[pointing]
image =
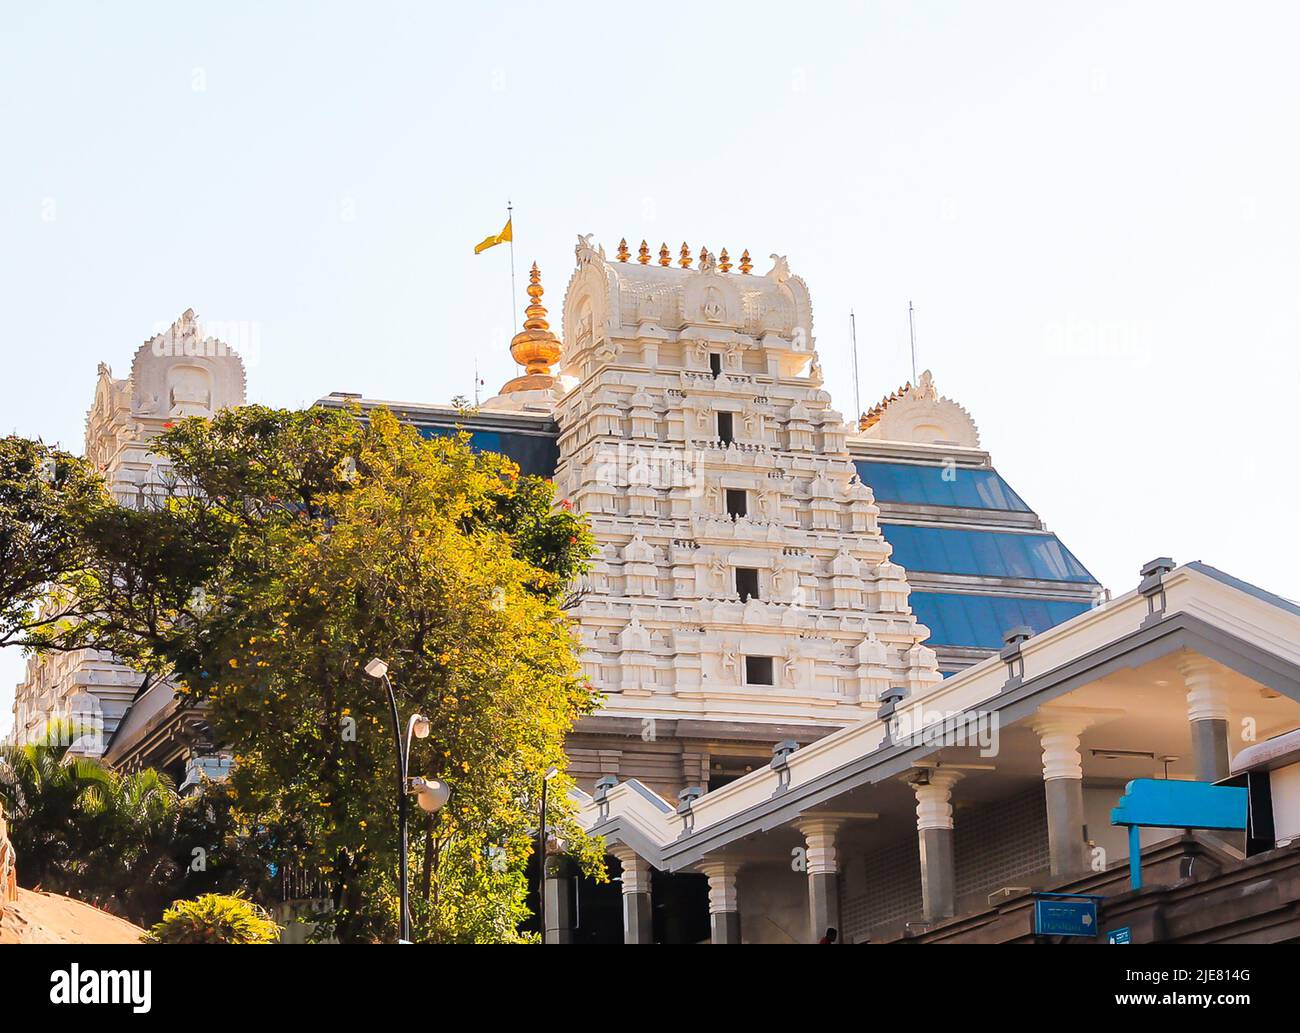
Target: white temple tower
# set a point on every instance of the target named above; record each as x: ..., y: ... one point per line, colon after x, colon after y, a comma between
x: 741, y: 581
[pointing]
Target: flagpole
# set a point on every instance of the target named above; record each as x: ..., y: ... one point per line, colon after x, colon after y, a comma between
x: 510, y: 221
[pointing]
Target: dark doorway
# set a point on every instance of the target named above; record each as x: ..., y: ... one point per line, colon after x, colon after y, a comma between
x: 737, y: 502
x: 715, y: 364
x: 758, y: 670
x: 726, y: 428
x: 681, y: 907
x: 599, y: 907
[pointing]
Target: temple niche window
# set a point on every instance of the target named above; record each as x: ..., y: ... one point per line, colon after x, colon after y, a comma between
x: 726, y: 428
x: 189, y: 391
x: 715, y: 364
x: 746, y: 583
x: 758, y: 670
x: 737, y: 503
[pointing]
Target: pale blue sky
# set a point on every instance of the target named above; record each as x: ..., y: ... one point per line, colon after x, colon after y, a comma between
x: 1093, y: 206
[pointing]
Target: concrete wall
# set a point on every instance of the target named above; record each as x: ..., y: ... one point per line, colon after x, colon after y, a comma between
x: 773, y: 904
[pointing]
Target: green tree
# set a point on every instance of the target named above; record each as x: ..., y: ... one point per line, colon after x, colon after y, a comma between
x: 57, y: 808
x: 297, y: 546
x: 47, y: 498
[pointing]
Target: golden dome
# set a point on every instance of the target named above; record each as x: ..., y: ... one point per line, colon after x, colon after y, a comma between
x: 534, y: 347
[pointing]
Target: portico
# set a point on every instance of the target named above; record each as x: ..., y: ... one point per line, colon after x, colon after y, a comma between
x: 1015, y: 795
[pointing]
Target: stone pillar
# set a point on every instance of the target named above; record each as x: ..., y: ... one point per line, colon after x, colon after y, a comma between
x: 558, y: 887
x: 724, y: 910
x: 823, y: 874
x: 1063, y: 788
x: 934, y: 839
x: 637, y: 915
x: 1207, y: 712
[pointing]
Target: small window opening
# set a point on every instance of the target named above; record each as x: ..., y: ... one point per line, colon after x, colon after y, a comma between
x: 746, y: 583
x: 758, y: 670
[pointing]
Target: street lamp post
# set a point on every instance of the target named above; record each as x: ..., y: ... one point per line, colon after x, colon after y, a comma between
x: 430, y: 793
x: 541, y: 853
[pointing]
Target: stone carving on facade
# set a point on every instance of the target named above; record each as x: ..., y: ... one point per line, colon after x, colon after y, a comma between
x: 586, y: 253
x: 712, y: 309
x: 730, y: 661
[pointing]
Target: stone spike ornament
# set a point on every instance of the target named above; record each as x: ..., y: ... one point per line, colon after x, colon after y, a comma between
x: 685, y: 260
x: 745, y: 264
x: 534, y: 347
x: 665, y: 257
x: 724, y: 261
x: 643, y: 253
x: 623, y: 253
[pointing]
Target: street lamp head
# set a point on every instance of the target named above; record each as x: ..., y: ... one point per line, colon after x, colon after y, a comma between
x: 376, y: 668
x: 430, y: 793
x: 420, y: 726
x: 551, y: 772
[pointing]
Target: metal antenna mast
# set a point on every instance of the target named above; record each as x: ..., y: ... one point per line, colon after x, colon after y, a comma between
x: 911, y: 331
x: 857, y: 400
x: 510, y: 221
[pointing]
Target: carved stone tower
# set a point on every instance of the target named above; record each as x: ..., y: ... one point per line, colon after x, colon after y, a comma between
x: 741, y: 575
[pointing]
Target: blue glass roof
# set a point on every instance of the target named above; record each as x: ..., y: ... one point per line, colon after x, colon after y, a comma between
x: 980, y: 621
x: 947, y: 550
x: 939, y: 486
x: 535, y: 455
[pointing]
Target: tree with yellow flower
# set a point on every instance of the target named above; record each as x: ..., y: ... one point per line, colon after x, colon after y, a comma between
x: 321, y: 539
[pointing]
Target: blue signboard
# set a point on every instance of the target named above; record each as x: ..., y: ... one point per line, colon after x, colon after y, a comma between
x: 1168, y: 804
x: 1121, y: 935
x: 1171, y: 804
x: 1063, y: 914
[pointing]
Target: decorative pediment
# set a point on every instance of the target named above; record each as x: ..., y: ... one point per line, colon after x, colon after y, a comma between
x: 918, y: 413
x: 185, y: 372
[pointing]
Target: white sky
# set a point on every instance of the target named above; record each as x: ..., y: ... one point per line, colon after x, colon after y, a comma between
x: 1093, y: 207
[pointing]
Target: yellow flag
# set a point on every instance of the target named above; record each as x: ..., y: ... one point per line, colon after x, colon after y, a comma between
x: 493, y: 241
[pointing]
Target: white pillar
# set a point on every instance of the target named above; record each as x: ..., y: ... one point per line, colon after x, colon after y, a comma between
x: 1058, y: 732
x: 934, y: 839
x: 637, y: 914
x: 823, y: 873
x: 724, y: 908
x: 1207, y: 713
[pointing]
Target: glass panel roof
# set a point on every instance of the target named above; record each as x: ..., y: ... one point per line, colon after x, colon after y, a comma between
x: 939, y: 486
x: 535, y: 455
x: 980, y: 621
x: 946, y: 550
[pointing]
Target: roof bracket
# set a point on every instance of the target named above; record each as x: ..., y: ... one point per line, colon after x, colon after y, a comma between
x: 1152, y: 586
x: 1010, y: 655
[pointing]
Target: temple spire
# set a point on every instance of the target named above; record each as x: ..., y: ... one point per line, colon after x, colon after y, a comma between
x: 534, y: 347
